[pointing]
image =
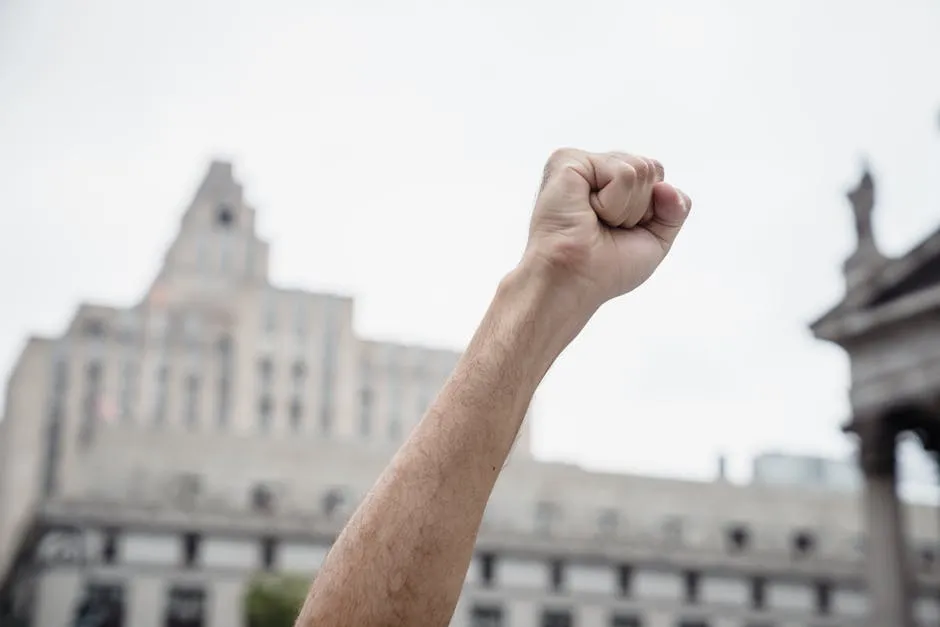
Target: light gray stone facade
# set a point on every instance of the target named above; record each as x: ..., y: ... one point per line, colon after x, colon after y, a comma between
x: 224, y: 427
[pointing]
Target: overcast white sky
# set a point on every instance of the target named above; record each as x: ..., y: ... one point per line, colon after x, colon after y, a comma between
x: 393, y: 150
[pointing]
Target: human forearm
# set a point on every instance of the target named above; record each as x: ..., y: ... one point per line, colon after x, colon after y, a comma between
x: 601, y: 224
x: 402, y: 558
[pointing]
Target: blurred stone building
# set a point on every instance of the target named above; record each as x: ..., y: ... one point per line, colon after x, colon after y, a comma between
x: 154, y: 458
x: 888, y: 324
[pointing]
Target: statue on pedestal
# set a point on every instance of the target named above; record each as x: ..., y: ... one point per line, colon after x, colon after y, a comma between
x: 863, y: 204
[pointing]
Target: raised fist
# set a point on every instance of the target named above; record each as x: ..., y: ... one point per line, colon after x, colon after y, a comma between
x: 603, y: 222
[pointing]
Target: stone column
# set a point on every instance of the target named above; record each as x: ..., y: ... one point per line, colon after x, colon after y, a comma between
x: 889, y: 586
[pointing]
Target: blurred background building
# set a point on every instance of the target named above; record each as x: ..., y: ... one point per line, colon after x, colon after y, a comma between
x: 806, y: 472
x: 153, y: 459
x: 918, y: 476
x: 888, y: 325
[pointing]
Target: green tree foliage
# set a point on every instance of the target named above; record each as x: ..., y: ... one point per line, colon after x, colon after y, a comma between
x: 274, y: 600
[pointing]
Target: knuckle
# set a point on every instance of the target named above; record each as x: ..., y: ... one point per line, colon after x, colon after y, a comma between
x: 560, y: 156
x: 556, y: 161
x: 563, y: 164
x: 627, y: 173
x: 658, y: 170
x: 642, y: 168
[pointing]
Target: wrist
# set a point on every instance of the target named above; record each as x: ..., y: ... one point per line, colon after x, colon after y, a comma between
x: 547, y: 310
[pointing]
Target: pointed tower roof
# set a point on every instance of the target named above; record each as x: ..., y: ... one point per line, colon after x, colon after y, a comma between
x: 216, y: 244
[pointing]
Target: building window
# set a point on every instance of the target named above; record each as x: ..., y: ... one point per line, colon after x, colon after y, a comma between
x: 60, y: 380
x: 192, y: 400
x: 486, y: 616
x: 262, y: 499
x: 326, y: 403
x: 54, y: 427
x: 691, y: 587
x: 927, y: 558
x: 188, y: 489
x: 225, y: 368
x: 693, y: 622
x: 625, y: 620
x: 739, y: 538
x: 269, y: 312
x: 268, y: 553
x: 547, y: 515
x: 300, y: 318
x: 299, y: 373
x: 296, y: 415
x: 365, y: 412
x: 607, y: 523
x: 331, y: 332
x: 557, y: 618
x: 109, y: 546
x: 823, y: 598
x: 53, y: 451
x: 624, y: 578
x: 224, y: 216
x: 333, y: 502
x: 128, y: 391
x: 94, y: 328
x: 326, y: 413
x: 266, y: 372
x: 91, y: 404
x: 102, y: 606
x: 558, y: 576
x: 673, y: 531
x: 487, y: 569
x: 758, y: 593
x: 804, y: 544
x: 186, y: 607
x: 191, y: 544
x: 265, y: 413
x: 160, y: 395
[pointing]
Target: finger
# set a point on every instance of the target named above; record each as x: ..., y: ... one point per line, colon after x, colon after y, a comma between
x: 649, y: 172
x: 670, y: 209
x: 624, y: 184
x: 656, y: 168
x: 615, y: 180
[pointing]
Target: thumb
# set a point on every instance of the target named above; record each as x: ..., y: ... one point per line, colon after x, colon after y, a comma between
x: 670, y: 208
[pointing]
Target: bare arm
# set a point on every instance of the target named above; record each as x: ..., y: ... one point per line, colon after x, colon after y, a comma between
x: 402, y: 558
x: 416, y: 530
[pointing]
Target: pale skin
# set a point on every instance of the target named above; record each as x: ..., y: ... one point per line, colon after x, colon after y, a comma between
x: 602, y: 224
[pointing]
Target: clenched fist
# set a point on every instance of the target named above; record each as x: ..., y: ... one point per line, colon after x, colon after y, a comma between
x: 603, y: 222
